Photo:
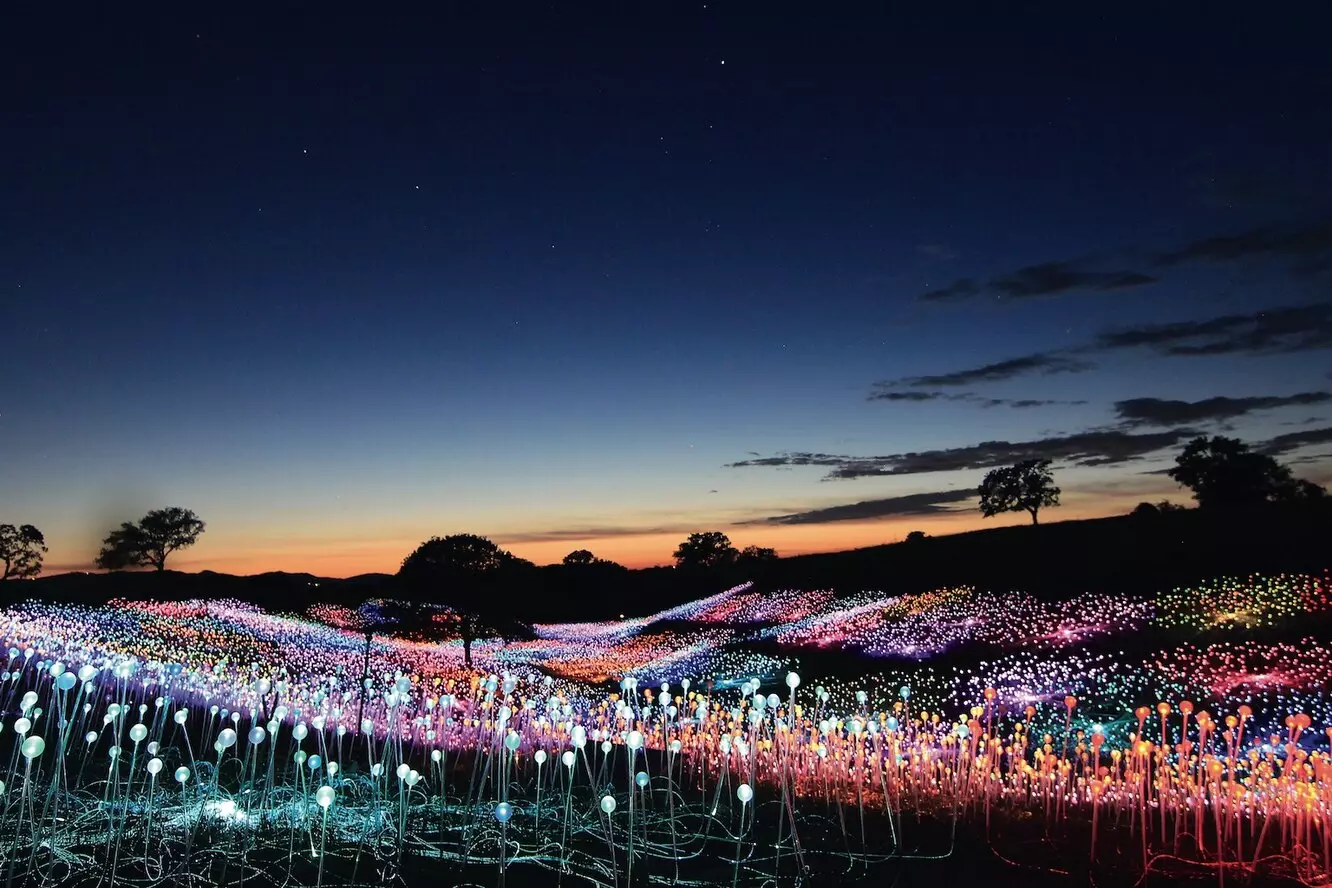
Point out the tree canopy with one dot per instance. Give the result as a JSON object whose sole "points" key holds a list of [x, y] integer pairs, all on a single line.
{"points": [[755, 555], [1026, 487], [21, 551], [705, 551], [582, 558], [148, 542], [1224, 474], [464, 572]]}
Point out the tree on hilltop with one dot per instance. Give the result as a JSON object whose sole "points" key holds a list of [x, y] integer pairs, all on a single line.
{"points": [[1026, 487], [1225, 474], [582, 558], [148, 542], [705, 551], [754, 556]]}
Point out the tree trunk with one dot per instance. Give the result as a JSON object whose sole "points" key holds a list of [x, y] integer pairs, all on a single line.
{"points": [[1033, 516], [467, 651]]}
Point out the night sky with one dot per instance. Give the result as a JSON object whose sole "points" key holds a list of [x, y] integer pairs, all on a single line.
{"points": [[598, 280]]}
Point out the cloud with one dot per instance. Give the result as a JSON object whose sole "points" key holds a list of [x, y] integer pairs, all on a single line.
{"points": [[913, 397], [1025, 403], [1041, 364], [1052, 278], [962, 288], [936, 251], [1292, 441], [1044, 279], [911, 504], [1312, 240], [1092, 448], [1158, 412], [587, 533], [1307, 243], [1284, 330], [886, 393]]}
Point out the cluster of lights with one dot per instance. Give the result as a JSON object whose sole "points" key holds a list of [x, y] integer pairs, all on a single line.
{"points": [[1237, 604]]}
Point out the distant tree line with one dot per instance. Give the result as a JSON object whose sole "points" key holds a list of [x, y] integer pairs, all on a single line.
{"points": [[1224, 475]]}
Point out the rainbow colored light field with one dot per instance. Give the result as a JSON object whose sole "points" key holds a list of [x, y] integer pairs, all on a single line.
{"points": [[749, 736]]}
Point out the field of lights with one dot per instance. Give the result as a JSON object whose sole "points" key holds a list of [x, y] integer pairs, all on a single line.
{"points": [[754, 736]]}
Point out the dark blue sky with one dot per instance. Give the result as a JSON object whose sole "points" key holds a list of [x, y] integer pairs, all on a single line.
{"points": [[341, 283]]}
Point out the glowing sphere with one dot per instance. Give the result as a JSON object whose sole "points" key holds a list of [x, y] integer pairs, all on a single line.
{"points": [[33, 747], [635, 740], [22, 726], [138, 732], [512, 741], [744, 793], [182, 775], [257, 735], [608, 804], [227, 738], [180, 716], [300, 732], [792, 680], [641, 779], [66, 681], [503, 811], [539, 757], [314, 763], [324, 796], [154, 766], [568, 758]]}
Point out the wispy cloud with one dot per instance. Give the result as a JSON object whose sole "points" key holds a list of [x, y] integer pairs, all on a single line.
{"points": [[1091, 448], [1283, 330], [1309, 244], [1044, 279], [893, 506], [1038, 364], [1292, 441], [1159, 412], [1292, 241], [912, 396]]}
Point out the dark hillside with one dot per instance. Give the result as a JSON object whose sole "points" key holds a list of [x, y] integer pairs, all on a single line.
{"points": [[1132, 553]]}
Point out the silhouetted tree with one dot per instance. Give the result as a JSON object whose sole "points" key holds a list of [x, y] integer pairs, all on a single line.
{"points": [[706, 551], [582, 559], [1026, 487], [21, 550], [464, 571], [1224, 474], [579, 558], [915, 536], [756, 555], [151, 540]]}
